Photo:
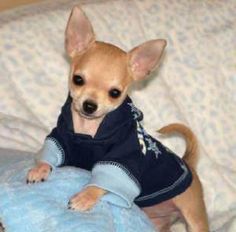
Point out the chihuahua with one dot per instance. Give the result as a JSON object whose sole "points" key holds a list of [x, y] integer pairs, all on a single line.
{"points": [[99, 129]]}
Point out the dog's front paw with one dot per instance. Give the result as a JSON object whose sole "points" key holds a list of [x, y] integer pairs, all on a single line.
{"points": [[86, 199], [39, 173]]}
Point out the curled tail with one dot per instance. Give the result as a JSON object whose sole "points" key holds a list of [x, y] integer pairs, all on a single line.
{"points": [[191, 152]]}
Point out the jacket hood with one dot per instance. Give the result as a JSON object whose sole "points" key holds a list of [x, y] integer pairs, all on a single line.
{"points": [[112, 122]]}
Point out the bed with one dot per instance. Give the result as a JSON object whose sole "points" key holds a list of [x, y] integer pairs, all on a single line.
{"points": [[195, 84]]}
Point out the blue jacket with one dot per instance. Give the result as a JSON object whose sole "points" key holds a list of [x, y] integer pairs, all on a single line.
{"points": [[123, 158]]}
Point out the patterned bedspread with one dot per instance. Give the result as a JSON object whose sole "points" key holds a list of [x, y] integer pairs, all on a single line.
{"points": [[195, 84]]}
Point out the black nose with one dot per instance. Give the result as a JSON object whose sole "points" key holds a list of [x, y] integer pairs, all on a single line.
{"points": [[89, 107]]}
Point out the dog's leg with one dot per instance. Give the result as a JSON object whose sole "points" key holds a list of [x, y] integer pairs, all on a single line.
{"points": [[86, 199], [39, 173], [162, 215], [192, 207], [1, 227], [162, 224]]}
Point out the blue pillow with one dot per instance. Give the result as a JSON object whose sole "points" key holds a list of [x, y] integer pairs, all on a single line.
{"points": [[42, 207]]}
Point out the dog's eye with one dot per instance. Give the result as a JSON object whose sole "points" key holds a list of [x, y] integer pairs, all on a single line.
{"points": [[78, 80], [114, 93]]}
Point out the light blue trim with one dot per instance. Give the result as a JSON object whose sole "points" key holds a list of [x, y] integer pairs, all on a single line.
{"points": [[116, 179], [52, 152]]}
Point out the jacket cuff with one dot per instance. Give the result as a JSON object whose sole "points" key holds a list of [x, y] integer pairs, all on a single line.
{"points": [[52, 153], [122, 186]]}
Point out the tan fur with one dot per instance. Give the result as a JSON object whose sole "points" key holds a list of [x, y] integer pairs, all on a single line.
{"points": [[99, 82], [39, 173], [189, 204], [104, 66], [2, 229], [191, 153], [82, 125]]}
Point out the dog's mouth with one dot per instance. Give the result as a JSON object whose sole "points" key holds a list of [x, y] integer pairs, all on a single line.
{"points": [[88, 116], [85, 115]]}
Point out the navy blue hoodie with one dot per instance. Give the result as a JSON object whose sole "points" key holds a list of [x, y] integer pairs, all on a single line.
{"points": [[123, 158]]}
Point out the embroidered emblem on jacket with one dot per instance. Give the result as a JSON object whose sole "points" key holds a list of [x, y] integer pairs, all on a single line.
{"points": [[146, 142], [135, 111]]}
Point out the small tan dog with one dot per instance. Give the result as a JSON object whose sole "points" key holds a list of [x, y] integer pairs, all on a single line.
{"points": [[100, 77]]}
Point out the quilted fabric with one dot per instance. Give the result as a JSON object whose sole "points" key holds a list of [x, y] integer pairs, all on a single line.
{"points": [[195, 84]]}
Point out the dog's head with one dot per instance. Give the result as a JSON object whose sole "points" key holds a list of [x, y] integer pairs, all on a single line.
{"points": [[101, 73]]}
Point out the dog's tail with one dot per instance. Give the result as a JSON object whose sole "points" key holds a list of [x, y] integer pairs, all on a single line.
{"points": [[191, 152]]}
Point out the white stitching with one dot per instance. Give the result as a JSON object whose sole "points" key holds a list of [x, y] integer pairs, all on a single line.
{"points": [[167, 189], [61, 150]]}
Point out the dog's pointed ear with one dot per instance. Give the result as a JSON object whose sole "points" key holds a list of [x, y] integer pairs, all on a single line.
{"points": [[79, 33], [145, 57]]}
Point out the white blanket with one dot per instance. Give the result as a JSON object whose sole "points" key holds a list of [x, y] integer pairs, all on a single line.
{"points": [[196, 83]]}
